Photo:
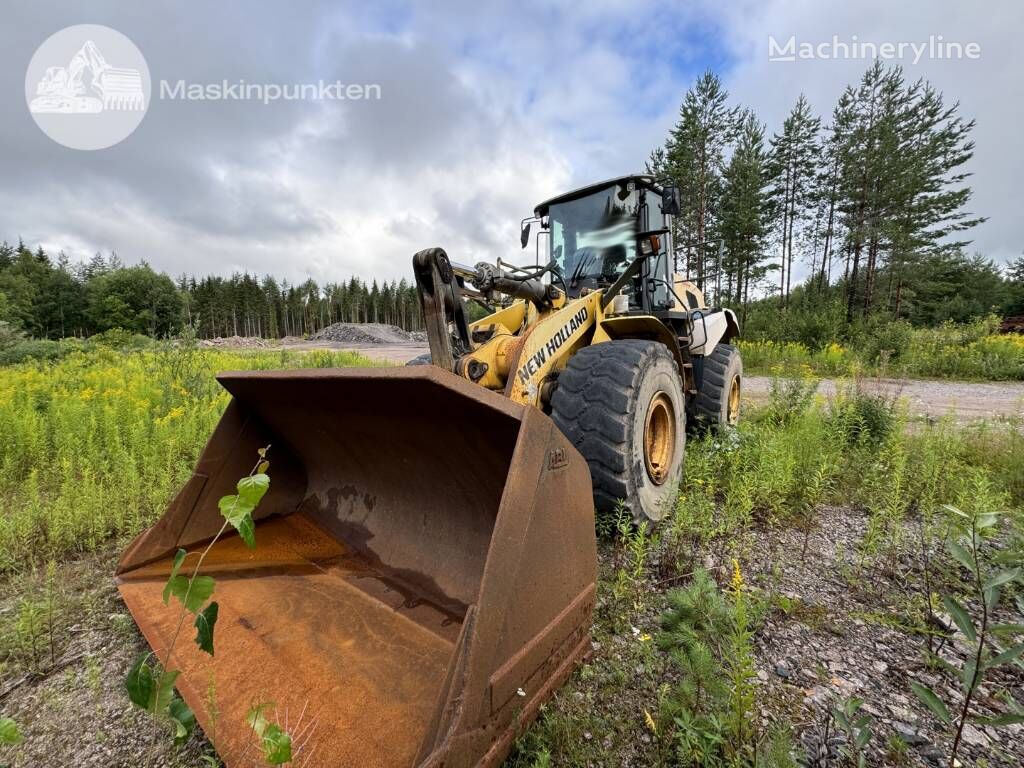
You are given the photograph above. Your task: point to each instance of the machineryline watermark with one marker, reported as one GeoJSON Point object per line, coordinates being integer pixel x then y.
{"type": "Point", "coordinates": [935, 48]}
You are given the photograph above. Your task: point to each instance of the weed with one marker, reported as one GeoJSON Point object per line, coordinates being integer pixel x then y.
{"type": "Point", "coordinates": [98, 442]}
{"type": "Point", "coordinates": [9, 733]}
{"type": "Point", "coordinates": [635, 545]}
{"type": "Point", "coordinates": [987, 582]}
{"type": "Point", "coordinates": [94, 676]}
{"type": "Point", "coordinates": [789, 398]}
{"type": "Point", "coordinates": [857, 729]}
{"type": "Point", "coordinates": [151, 686]}
{"type": "Point", "coordinates": [864, 416]}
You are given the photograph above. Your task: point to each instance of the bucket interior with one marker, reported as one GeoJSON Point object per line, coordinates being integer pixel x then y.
{"type": "Point", "coordinates": [348, 611]}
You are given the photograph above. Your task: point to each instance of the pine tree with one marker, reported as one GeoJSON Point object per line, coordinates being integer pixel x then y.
{"type": "Point", "coordinates": [695, 160]}
{"type": "Point", "coordinates": [744, 208]}
{"type": "Point", "coordinates": [793, 168]}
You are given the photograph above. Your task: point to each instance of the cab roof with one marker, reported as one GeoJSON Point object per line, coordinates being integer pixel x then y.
{"type": "Point", "coordinates": [643, 180]}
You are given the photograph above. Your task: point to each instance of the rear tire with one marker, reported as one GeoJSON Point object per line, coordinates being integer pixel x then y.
{"type": "Point", "coordinates": [621, 403]}
{"type": "Point", "coordinates": [717, 404]}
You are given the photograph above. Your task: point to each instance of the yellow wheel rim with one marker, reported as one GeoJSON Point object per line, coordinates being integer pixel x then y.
{"type": "Point", "coordinates": [659, 438]}
{"type": "Point", "coordinates": [733, 414]}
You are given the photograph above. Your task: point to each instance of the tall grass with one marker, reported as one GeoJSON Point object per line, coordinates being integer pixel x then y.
{"type": "Point", "coordinates": [950, 351]}
{"type": "Point", "coordinates": [800, 452]}
{"type": "Point", "coordinates": [94, 445]}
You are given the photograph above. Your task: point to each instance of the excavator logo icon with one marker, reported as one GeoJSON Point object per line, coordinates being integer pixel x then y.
{"type": "Point", "coordinates": [78, 97]}
{"type": "Point", "coordinates": [62, 89]}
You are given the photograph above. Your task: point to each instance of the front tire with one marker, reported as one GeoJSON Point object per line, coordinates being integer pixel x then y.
{"type": "Point", "coordinates": [621, 403]}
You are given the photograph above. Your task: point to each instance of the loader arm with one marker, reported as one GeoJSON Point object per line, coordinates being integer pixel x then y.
{"type": "Point", "coordinates": [441, 301]}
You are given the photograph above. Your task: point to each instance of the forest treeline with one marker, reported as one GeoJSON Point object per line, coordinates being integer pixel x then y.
{"type": "Point", "coordinates": [821, 231]}
{"type": "Point", "coordinates": [50, 298]}
{"type": "Point", "coordinates": [866, 209]}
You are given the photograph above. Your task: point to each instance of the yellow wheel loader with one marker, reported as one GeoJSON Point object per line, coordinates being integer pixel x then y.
{"type": "Point", "coordinates": [425, 564]}
{"type": "Point", "coordinates": [620, 352]}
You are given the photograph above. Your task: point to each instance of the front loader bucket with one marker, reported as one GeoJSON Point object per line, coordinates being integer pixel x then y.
{"type": "Point", "coordinates": [423, 576]}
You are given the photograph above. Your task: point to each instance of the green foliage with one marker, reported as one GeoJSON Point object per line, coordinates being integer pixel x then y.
{"type": "Point", "coordinates": [709, 712]}
{"type": "Point", "coordinates": [121, 340]}
{"type": "Point", "coordinates": [238, 508]}
{"type": "Point", "coordinates": [857, 729]}
{"type": "Point", "coordinates": [790, 398]}
{"type": "Point", "coordinates": [864, 417]}
{"type": "Point", "coordinates": [151, 687]}
{"type": "Point", "coordinates": [98, 442]}
{"type": "Point", "coordinates": [206, 620]}
{"type": "Point", "coordinates": [9, 733]}
{"type": "Point", "coordinates": [275, 742]}
{"type": "Point", "coordinates": [633, 550]}
{"type": "Point", "coordinates": [966, 351]}
{"type": "Point", "coordinates": [135, 299]}
{"type": "Point", "coordinates": [696, 612]}
{"type": "Point", "coordinates": [53, 299]}
{"type": "Point", "coordinates": [986, 577]}
{"type": "Point", "coordinates": [192, 592]}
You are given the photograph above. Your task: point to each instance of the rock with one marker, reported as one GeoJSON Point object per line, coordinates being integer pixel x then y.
{"type": "Point", "coordinates": [909, 734]}
{"type": "Point", "coordinates": [933, 753]}
{"type": "Point", "coordinates": [872, 710]}
{"type": "Point", "coordinates": [880, 667]}
{"type": "Point", "coordinates": [902, 713]}
{"type": "Point", "coordinates": [783, 670]}
{"type": "Point", "coordinates": [973, 736]}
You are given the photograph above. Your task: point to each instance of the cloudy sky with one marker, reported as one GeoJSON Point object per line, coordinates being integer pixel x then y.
{"type": "Point", "coordinates": [483, 112]}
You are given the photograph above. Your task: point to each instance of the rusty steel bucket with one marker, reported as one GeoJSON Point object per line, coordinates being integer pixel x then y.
{"type": "Point", "coordinates": [423, 577]}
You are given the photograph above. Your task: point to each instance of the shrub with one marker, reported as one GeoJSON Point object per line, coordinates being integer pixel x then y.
{"type": "Point", "coordinates": [864, 416]}
{"type": "Point", "coordinates": [882, 340]}
{"type": "Point", "coordinates": [29, 350]}
{"type": "Point", "coordinates": [120, 339]}
{"type": "Point", "coordinates": [789, 398]}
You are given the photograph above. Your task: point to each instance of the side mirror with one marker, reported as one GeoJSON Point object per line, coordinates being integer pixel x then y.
{"type": "Point", "coordinates": [670, 204]}
{"type": "Point", "coordinates": [524, 236]}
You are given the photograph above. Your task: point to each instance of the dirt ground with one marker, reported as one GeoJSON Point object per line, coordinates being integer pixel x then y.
{"type": "Point", "coordinates": [840, 628]}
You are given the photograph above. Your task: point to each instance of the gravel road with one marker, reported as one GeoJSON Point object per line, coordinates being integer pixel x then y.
{"type": "Point", "coordinates": [968, 401]}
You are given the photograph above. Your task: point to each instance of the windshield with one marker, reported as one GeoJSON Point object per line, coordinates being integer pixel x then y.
{"type": "Point", "coordinates": [594, 238]}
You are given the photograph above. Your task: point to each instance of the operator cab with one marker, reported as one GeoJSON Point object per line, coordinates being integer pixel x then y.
{"type": "Point", "coordinates": [596, 232]}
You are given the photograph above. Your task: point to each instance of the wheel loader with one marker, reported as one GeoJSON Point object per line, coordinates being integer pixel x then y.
{"type": "Point", "coordinates": [425, 565]}
{"type": "Point", "coordinates": [620, 352]}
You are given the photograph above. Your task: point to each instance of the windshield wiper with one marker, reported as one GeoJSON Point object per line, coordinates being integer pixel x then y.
{"type": "Point", "coordinates": [577, 273]}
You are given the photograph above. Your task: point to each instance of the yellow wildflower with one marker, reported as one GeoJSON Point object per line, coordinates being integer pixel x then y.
{"type": "Point", "coordinates": [651, 725]}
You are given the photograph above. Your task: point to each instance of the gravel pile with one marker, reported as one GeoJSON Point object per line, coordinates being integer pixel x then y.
{"type": "Point", "coordinates": [368, 333]}
{"type": "Point", "coordinates": [233, 342]}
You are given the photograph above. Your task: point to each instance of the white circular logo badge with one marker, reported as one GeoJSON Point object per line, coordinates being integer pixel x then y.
{"type": "Point", "coordinates": [87, 87]}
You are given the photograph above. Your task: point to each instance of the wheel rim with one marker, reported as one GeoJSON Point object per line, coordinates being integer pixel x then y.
{"type": "Point", "coordinates": [659, 438]}
{"type": "Point", "coordinates": [733, 414]}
